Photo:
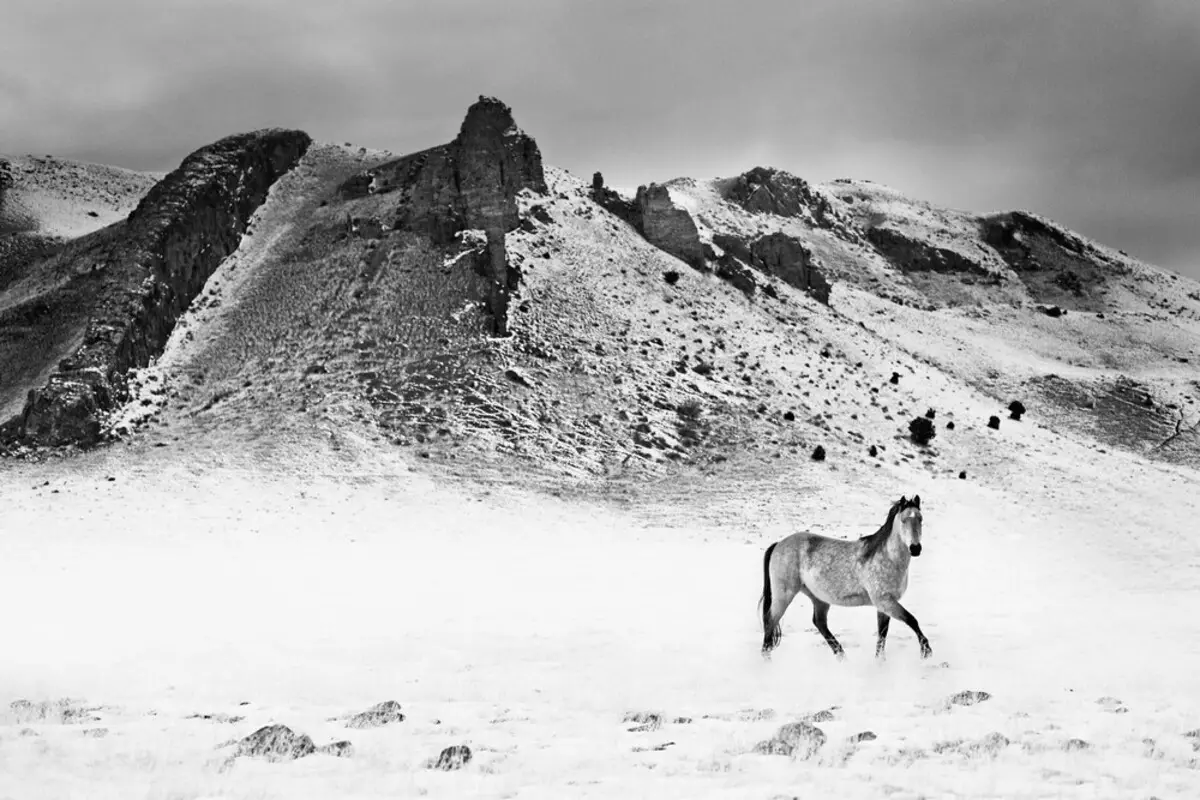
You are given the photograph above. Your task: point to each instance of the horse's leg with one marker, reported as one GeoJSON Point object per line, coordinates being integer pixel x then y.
{"type": "Point", "coordinates": [821, 620]}
{"type": "Point", "coordinates": [884, 621]}
{"type": "Point", "coordinates": [891, 606]}
{"type": "Point", "coordinates": [771, 634]}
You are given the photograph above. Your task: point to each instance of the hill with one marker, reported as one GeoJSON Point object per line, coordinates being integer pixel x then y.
{"type": "Point", "coordinates": [316, 426]}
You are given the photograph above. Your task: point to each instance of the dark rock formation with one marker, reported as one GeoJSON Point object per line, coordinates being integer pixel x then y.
{"type": "Point", "coordinates": [130, 285]}
{"type": "Point", "coordinates": [614, 203]}
{"type": "Point", "coordinates": [797, 739]}
{"type": "Point", "coordinates": [470, 183]}
{"type": "Point", "coordinates": [770, 191]}
{"type": "Point", "coordinates": [913, 255]}
{"type": "Point", "coordinates": [782, 256]}
{"type": "Point", "coordinates": [733, 270]}
{"type": "Point", "coordinates": [667, 227]}
{"type": "Point", "coordinates": [1057, 266]}
{"type": "Point", "coordinates": [453, 757]}
{"type": "Point", "coordinates": [377, 716]}
{"type": "Point", "coordinates": [276, 743]}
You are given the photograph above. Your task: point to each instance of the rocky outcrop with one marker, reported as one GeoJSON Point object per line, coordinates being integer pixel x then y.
{"type": "Point", "coordinates": [470, 183]}
{"type": "Point", "coordinates": [614, 203]}
{"type": "Point", "coordinates": [668, 227]}
{"type": "Point", "coordinates": [1056, 265]}
{"type": "Point", "coordinates": [911, 254]}
{"type": "Point", "coordinates": [770, 191]}
{"type": "Point", "coordinates": [780, 255]}
{"type": "Point", "coordinates": [131, 286]}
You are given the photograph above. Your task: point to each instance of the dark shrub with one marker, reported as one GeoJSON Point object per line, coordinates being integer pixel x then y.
{"type": "Point", "coordinates": [950, 425]}
{"type": "Point", "coordinates": [930, 414]}
{"type": "Point", "coordinates": [818, 453]}
{"type": "Point", "coordinates": [921, 430]}
{"type": "Point", "coordinates": [1015, 409]}
{"type": "Point", "coordinates": [994, 423]}
{"type": "Point", "coordinates": [671, 277]}
{"type": "Point", "coordinates": [872, 451]}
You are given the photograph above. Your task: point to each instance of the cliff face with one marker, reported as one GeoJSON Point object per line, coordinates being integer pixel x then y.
{"type": "Point", "coordinates": [132, 285]}
{"type": "Point", "coordinates": [470, 183]}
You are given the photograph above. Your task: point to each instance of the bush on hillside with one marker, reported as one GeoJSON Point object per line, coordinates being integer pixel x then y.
{"type": "Point", "coordinates": [921, 430]}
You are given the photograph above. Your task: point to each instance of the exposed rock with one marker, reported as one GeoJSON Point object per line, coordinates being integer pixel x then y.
{"type": "Point", "coordinates": [782, 256]}
{"type": "Point", "coordinates": [342, 749]}
{"type": "Point", "coordinates": [472, 182]}
{"type": "Point", "coordinates": [1056, 265]}
{"type": "Point", "coordinates": [969, 697]}
{"type": "Point", "coordinates": [910, 254]}
{"type": "Point", "coordinates": [668, 227]}
{"type": "Point", "coordinates": [771, 191]}
{"type": "Point", "coordinates": [128, 289]}
{"type": "Point", "coordinates": [1074, 745]}
{"type": "Point", "coordinates": [453, 757]}
{"type": "Point", "coordinates": [797, 739]}
{"type": "Point", "coordinates": [384, 713]}
{"type": "Point", "coordinates": [614, 203]}
{"type": "Point", "coordinates": [994, 423]}
{"type": "Point", "coordinates": [276, 743]}
{"type": "Point", "coordinates": [863, 736]}
{"type": "Point", "coordinates": [731, 269]}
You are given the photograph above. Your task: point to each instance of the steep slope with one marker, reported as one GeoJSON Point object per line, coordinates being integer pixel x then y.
{"type": "Point", "coordinates": [73, 323]}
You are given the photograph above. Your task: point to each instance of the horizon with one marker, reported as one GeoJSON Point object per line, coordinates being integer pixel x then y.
{"type": "Point", "coordinates": [1079, 111]}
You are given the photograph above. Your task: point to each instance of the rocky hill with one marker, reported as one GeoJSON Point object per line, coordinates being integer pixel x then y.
{"type": "Point", "coordinates": [479, 312]}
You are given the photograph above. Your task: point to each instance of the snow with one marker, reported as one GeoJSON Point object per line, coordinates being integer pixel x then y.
{"type": "Point", "coordinates": [527, 627]}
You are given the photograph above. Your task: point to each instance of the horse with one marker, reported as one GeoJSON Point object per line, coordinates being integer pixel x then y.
{"type": "Point", "coordinates": [870, 571]}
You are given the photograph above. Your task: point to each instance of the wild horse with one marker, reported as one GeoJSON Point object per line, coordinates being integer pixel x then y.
{"type": "Point", "coordinates": [870, 571]}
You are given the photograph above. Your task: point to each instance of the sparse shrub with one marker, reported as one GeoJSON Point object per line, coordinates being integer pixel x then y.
{"type": "Point", "coordinates": [950, 425]}
{"type": "Point", "coordinates": [930, 414]}
{"type": "Point", "coordinates": [962, 476]}
{"type": "Point", "coordinates": [872, 451]}
{"type": "Point", "coordinates": [818, 453]}
{"type": "Point", "coordinates": [895, 379]}
{"type": "Point", "coordinates": [994, 423]}
{"type": "Point", "coordinates": [921, 430]}
{"type": "Point", "coordinates": [1015, 409]}
{"type": "Point", "coordinates": [789, 416]}
{"type": "Point", "coordinates": [671, 277]}
{"type": "Point", "coordinates": [689, 409]}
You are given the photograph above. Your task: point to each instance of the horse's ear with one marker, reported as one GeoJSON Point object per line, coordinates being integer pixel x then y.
{"type": "Point", "coordinates": [916, 501]}
{"type": "Point", "coordinates": [903, 504]}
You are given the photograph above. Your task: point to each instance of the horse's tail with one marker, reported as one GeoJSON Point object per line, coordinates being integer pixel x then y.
{"type": "Point", "coordinates": [771, 631]}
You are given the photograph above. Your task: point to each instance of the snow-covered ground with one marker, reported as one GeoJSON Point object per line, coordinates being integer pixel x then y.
{"type": "Point", "coordinates": [528, 627]}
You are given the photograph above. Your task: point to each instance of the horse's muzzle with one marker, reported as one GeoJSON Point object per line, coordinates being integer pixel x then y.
{"type": "Point", "coordinates": [914, 549]}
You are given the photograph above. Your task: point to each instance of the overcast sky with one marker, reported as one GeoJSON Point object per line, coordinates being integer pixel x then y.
{"type": "Point", "coordinates": [1086, 111]}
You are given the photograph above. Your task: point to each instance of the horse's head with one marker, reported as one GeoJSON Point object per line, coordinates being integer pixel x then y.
{"type": "Point", "coordinates": [908, 523]}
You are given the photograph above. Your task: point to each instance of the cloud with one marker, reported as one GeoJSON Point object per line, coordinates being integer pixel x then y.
{"type": "Point", "coordinates": [1084, 110]}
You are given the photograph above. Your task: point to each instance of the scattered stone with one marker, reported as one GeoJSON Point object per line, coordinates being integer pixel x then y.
{"type": "Point", "coordinates": [453, 757]}
{"type": "Point", "coordinates": [803, 738]}
{"type": "Point", "coordinates": [682, 720]}
{"type": "Point", "coordinates": [95, 733]}
{"type": "Point", "coordinates": [818, 453]}
{"type": "Point", "coordinates": [376, 716]}
{"type": "Point", "coordinates": [517, 378]}
{"type": "Point", "coordinates": [825, 715]}
{"type": "Point", "coordinates": [968, 698]}
{"type": "Point", "coordinates": [655, 748]}
{"type": "Point", "coordinates": [1052, 311]}
{"type": "Point", "coordinates": [872, 451]}
{"type": "Point", "coordinates": [341, 749]}
{"type": "Point", "coordinates": [1075, 745]}
{"type": "Point", "coordinates": [895, 379]}
{"type": "Point", "coordinates": [773, 747]}
{"type": "Point", "coordinates": [276, 743]}
{"type": "Point", "coordinates": [994, 423]}
{"type": "Point", "coordinates": [962, 476]}
{"type": "Point", "coordinates": [217, 717]}
{"type": "Point", "coordinates": [789, 416]}
{"type": "Point", "coordinates": [863, 736]}
{"type": "Point", "coordinates": [990, 745]}
{"type": "Point", "coordinates": [950, 425]}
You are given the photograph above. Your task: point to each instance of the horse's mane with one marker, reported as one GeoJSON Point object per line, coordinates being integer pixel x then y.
{"type": "Point", "coordinates": [873, 542]}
